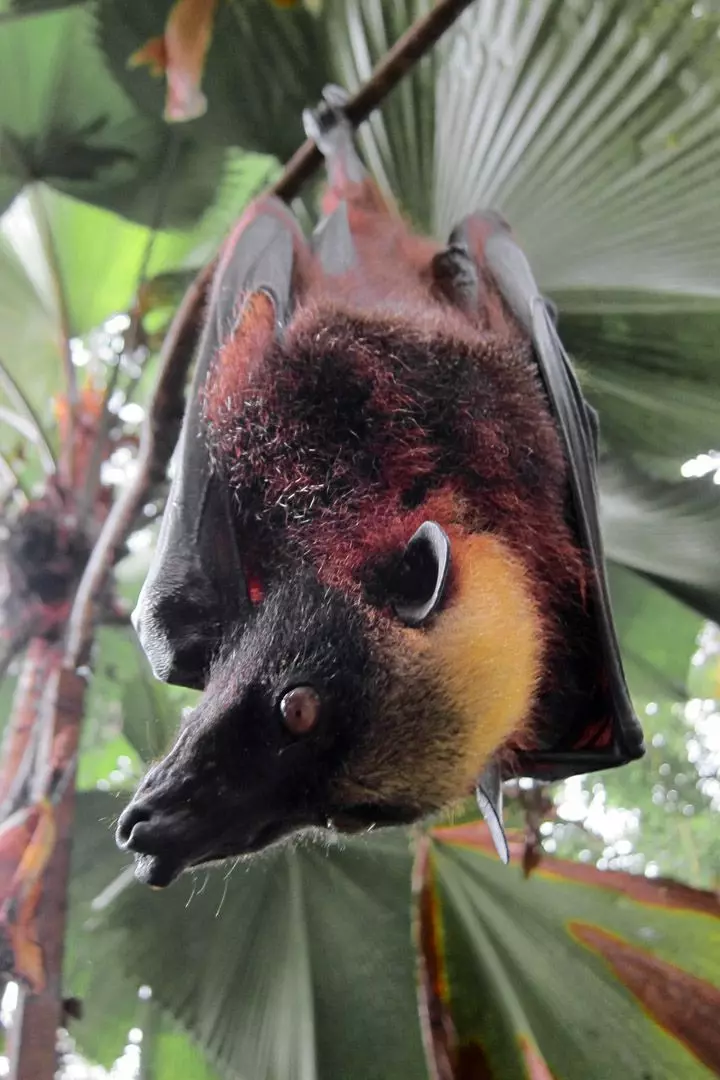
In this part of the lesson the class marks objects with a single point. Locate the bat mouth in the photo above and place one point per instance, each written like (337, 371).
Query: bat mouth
(162, 868)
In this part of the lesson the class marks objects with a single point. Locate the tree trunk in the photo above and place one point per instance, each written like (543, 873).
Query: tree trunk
(18, 747)
(38, 1016)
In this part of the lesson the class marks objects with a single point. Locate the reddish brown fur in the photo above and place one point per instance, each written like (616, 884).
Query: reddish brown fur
(385, 406)
(400, 392)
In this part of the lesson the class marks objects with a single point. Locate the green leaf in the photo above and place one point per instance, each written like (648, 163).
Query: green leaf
(35, 7)
(91, 969)
(151, 712)
(174, 1055)
(399, 140)
(112, 1005)
(264, 66)
(128, 713)
(67, 122)
(109, 763)
(66, 256)
(658, 636)
(669, 532)
(648, 364)
(7, 692)
(539, 976)
(65, 266)
(72, 125)
(594, 131)
(298, 964)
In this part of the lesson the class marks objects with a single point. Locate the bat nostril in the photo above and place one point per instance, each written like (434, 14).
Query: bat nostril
(133, 815)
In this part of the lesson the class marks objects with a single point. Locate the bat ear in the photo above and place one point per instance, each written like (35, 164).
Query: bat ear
(419, 587)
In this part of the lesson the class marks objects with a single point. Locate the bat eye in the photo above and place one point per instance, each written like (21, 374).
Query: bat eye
(300, 709)
(420, 585)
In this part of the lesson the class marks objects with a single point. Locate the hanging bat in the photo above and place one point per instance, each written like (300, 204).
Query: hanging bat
(381, 557)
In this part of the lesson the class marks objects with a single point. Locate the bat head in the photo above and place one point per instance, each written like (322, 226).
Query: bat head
(344, 710)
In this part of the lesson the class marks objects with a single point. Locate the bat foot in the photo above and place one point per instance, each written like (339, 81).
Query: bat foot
(327, 121)
(331, 131)
(335, 97)
(455, 275)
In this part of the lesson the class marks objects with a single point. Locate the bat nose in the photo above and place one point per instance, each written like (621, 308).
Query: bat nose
(144, 829)
(158, 838)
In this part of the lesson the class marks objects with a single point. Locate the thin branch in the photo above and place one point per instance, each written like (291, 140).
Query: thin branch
(22, 405)
(156, 446)
(407, 50)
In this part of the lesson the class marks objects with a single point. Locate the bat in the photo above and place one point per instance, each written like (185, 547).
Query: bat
(381, 557)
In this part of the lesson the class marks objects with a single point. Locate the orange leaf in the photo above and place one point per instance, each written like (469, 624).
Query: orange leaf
(20, 932)
(181, 54)
(27, 840)
(154, 54)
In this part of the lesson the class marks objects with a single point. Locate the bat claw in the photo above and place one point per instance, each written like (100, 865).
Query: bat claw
(336, 97)
(331, 131)
(323, 123)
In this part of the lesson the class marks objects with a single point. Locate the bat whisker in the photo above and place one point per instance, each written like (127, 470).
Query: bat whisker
(192, 892)
(222, 898)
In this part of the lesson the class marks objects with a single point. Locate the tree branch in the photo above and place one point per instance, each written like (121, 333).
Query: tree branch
(407, 50)
(16, 757)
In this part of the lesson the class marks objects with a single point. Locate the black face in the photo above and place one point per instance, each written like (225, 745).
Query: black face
(266, 753)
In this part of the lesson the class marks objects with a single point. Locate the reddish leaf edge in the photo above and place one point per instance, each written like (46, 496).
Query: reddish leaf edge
(649, 892)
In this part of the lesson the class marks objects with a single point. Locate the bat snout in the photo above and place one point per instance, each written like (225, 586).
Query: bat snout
(166, 814)
(163, 839)
(150, 830)
(173, 824)
(140, 828)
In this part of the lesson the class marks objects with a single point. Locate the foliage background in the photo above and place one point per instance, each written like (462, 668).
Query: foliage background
(594, 126)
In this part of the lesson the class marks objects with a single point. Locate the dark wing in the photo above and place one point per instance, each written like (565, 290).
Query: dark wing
(195, 588)
(618, 738)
